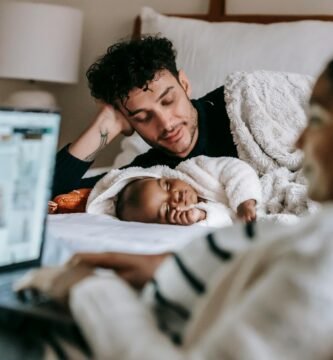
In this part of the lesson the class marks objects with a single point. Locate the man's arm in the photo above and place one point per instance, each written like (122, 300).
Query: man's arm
(107, 125)
(72, 162)
(136, 269)
(56, 282)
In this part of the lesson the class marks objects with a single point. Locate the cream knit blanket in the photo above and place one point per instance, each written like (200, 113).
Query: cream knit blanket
(267, 112)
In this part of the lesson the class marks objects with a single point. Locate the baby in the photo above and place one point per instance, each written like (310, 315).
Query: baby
(205, 190)
(168, 201)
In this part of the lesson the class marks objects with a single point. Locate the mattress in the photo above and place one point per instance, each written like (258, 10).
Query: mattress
(67, 234)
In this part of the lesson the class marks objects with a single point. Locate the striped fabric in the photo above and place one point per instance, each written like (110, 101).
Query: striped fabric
(273, 301)
(183, 278)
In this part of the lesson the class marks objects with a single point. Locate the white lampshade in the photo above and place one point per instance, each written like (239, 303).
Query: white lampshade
(40, 42)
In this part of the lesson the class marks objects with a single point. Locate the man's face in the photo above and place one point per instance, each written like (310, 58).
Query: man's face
(157, 197)
(317, 142)
(163, 115)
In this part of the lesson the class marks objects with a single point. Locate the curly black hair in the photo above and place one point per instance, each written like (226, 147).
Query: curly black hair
(130, 64)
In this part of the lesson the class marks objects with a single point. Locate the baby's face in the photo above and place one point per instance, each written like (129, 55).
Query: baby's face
(317, 142)
(157, 197)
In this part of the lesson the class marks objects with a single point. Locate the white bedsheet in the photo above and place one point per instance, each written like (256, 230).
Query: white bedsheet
(70, 233)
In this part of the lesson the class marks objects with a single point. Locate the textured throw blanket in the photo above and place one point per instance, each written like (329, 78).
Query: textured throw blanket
(267, 114)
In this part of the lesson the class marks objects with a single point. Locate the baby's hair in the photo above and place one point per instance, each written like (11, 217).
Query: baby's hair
(127, 197)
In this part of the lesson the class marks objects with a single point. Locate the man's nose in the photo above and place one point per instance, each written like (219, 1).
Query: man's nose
(164, 120)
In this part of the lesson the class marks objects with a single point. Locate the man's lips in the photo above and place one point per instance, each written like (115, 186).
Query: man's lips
(174, 135)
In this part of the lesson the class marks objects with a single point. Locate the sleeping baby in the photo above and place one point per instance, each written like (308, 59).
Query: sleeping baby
(209, 191)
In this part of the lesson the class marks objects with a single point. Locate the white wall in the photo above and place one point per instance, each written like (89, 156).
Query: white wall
(106, 21)
(286, 7)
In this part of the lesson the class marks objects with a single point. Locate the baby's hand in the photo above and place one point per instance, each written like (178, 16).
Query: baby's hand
(186, 217)
(246, 211)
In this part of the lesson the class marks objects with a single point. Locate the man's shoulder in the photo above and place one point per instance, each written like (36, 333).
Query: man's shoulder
(215, 96)
(154, 157)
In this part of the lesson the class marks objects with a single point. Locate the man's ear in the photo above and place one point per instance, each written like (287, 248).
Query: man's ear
(185, 82)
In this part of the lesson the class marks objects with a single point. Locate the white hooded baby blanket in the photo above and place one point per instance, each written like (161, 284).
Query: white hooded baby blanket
(224, 182)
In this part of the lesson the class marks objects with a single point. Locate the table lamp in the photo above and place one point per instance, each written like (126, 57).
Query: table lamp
(39, 42)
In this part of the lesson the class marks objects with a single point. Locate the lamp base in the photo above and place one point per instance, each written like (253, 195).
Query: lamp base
(32, 99)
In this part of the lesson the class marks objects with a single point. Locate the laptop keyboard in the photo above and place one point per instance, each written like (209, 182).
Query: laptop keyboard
(29, 302)
(6, 283)
(28, 297)
(6, 290)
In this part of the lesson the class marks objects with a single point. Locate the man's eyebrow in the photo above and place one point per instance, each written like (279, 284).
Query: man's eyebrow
(165, 92)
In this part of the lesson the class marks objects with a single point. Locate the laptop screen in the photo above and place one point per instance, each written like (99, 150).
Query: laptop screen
(28, 141)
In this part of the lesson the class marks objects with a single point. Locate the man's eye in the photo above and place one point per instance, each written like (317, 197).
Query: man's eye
(144, 119)
(167, 101)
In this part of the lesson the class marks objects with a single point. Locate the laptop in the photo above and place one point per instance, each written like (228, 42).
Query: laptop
(28, 141)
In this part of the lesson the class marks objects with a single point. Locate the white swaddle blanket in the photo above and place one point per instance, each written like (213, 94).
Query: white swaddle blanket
(223, 182)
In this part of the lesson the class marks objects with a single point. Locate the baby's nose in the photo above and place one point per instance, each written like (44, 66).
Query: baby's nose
(178, 197)
(175, 197)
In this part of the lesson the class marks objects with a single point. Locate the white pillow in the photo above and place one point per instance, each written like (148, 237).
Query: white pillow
(131, 146)
(208, 52)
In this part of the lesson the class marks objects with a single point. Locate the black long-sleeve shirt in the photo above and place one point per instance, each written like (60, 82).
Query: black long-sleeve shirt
(214, 139)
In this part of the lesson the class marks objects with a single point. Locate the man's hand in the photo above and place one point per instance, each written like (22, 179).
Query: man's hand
(53, 282)
(185, 217)
(137, 270)
(110, 117)
(246, 211)
(107, 125)
(56, 282)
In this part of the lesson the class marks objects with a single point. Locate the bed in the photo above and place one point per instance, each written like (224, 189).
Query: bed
(228, 43)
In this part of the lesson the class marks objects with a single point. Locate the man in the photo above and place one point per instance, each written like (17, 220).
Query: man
(142, 90)
(270, 298)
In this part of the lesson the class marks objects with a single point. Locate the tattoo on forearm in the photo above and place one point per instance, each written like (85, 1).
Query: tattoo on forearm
(102, 144)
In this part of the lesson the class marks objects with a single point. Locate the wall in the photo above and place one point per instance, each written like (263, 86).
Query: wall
(106, 21)
(287, 7)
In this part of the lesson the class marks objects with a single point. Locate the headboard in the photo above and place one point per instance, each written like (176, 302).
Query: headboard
(217, 13)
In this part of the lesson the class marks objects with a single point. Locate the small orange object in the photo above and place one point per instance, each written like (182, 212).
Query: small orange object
(73, 202)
